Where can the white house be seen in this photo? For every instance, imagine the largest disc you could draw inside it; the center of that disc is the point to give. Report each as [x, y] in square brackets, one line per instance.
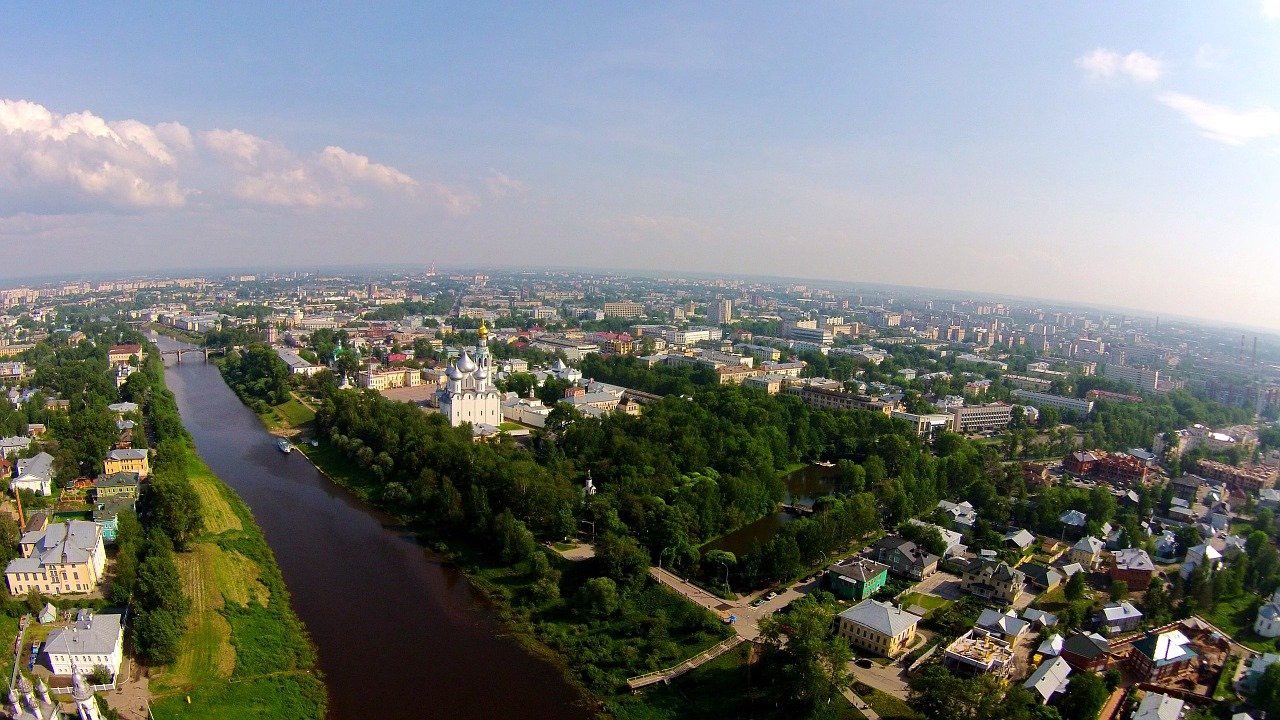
[1267, 624]
[35, 474]
[1198, 555]
[91, 641]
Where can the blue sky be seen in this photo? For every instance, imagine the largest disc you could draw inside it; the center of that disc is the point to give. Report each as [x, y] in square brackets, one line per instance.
[1119, 153]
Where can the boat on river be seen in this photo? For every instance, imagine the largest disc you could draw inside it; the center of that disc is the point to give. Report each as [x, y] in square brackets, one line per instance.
[284, 446]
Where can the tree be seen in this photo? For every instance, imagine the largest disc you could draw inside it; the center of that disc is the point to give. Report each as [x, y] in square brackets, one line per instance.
[175, 505]
[10, 533]
[623, 560]
[1086, 692]
[1119, 590]
[723, 560]
[1074, 589]
[599, 597]
[813, 659]
[515, 542]
[156, 634]
[1267, 693]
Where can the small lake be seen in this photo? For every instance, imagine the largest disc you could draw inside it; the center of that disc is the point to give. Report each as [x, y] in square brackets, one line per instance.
[803, 487]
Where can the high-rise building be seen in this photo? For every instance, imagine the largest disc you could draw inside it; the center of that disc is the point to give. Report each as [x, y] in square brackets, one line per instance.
[720, 311]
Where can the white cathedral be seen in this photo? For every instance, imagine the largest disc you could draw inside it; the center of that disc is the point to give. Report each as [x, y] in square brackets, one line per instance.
[26, 704]
[469, 395]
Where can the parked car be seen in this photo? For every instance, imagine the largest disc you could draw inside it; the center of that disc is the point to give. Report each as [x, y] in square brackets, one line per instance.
[771, 595]
[863, 663]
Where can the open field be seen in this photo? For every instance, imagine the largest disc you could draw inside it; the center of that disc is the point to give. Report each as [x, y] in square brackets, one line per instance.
[218, 515]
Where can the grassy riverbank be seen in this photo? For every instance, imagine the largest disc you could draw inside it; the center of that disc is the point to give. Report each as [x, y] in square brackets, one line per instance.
[244, 653]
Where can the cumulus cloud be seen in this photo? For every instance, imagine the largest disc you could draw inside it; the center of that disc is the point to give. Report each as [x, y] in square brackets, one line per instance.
[1270, 9]
[1221, 123]
[1108, 65]
[56, 163]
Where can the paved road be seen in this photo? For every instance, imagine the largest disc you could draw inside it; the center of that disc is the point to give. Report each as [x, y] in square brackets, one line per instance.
[747, 625]
[891, 679]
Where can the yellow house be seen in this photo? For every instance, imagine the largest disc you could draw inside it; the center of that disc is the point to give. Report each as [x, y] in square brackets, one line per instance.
[128, 460]
[61, 558]
[121, 485]
[877, 627]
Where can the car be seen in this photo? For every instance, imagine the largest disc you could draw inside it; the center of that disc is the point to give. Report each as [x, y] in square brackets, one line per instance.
[771, 595]
[863, 663]
[757, 602]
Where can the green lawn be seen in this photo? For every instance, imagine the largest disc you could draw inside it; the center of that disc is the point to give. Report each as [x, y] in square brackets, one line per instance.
[288, 415]
[8, 633]
[1235, 618]
[886, 705]
[928, 602]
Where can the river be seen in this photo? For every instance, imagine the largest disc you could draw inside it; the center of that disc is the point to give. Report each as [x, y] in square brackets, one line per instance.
[401, 634]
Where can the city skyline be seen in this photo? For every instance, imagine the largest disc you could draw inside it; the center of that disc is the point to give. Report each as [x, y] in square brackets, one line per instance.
[1085, 154]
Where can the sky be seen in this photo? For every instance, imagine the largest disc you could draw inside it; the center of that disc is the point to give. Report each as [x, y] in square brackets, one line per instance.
[1123, 154]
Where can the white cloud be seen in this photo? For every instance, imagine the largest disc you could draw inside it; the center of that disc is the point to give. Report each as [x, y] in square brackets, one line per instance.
[1221, 123]
[1270, 9]
[502, 185]
[1109, 65]
[1210, 56]
[77, 162]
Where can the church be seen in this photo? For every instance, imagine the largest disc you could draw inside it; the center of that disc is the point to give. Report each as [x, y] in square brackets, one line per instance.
[469, 395]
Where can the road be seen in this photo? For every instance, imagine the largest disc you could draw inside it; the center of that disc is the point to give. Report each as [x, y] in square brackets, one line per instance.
[748, 623]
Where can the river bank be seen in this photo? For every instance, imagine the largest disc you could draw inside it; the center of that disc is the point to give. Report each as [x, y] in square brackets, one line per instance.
[400, 633]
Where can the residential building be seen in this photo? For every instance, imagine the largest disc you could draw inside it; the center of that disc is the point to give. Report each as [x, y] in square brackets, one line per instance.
[1049, 679]
[1005, 624]
[117, 485]
[855, 579]
[127, 460]
[1040, 577]
[960, 516]
[10, 446]
[1267, 623]
[1119, 617]
[720, 311]
[1243, 479]
[1160, 656]
[877, 627]
[1087, 551]
[60, 558]
[992, 580]
[297, 364]
[388, 378]
[1043, 400]
[981, 418]
[35, 474]
[1203, 554]
[1133, 566]
[1158, 706]
[623, 309]
[905, 558]
[92, 640]
[120, 354]
[1141, 378]
[979, 652]
[1087, 652]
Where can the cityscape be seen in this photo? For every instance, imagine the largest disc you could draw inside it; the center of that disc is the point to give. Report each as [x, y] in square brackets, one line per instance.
[685, 361]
